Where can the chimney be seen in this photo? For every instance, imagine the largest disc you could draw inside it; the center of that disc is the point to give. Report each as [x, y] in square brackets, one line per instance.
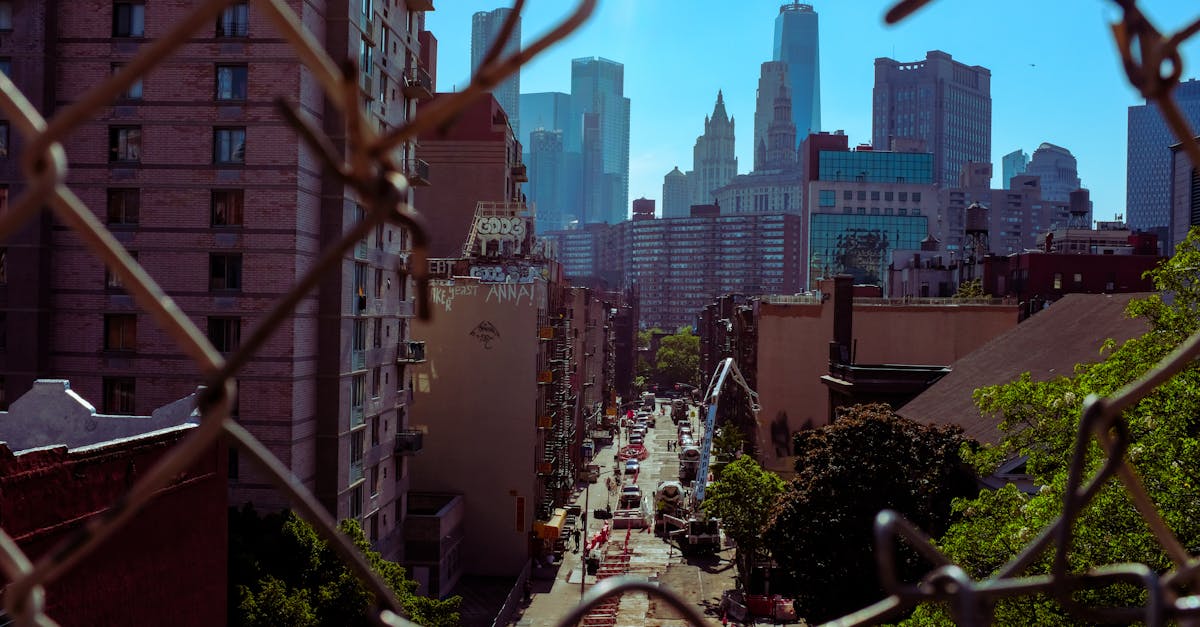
[843, 319]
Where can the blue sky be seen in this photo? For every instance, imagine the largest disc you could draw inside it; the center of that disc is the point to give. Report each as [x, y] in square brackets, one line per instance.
[1056, 74]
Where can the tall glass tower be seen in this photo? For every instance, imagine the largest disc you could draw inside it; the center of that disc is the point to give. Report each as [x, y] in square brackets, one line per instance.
[598, 99]
[485, 28]
[796, 45]
[1148, 162]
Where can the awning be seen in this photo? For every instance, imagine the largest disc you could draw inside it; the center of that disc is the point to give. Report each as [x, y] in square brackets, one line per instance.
[552, 529]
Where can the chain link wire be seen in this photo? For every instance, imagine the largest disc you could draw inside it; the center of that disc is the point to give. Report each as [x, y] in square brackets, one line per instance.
[1152, 63]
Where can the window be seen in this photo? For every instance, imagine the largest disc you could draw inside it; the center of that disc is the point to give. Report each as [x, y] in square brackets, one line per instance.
[374, 430]
[358, 391]
[6, 7]
[1078, 278]
[123, 206]
[916, 196]
[826, 198]
[374, 479]
[1058, 280]
[4, 266]
[903, 196]
[225, 271]
[378, 282]
[129, 19]
[125, 143]
[847, 195]
[3, 336]
[357, 445]
[134, 92]
[112, 280]
[373, 527]
[874, 195]
[376, 380]
[120, 332]
[356, 502]
[234, 21]
[225, 333]
[229, 145]
[118, 395]
[231, 82]
[887, 195]
[360, 285]
[377, 336]
[862, 195]
[227, 207]
[3, 139]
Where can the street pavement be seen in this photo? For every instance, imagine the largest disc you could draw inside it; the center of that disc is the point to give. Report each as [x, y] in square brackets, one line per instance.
[700, 580]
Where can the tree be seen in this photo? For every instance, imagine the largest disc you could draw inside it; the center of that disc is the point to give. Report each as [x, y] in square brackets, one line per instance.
[970, 289]
[678, 358]
[743, 498]
[282, 573]
[820, 531]
[1040, 420]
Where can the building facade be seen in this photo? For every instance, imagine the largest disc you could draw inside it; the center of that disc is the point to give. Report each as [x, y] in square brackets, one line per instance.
[1012, 164]
[676, 195]
[797, 45]
[193, 173]
[485, 30]
[772, 76]
[1148, 160]
[1057, 168]
[1184, 200]
[1013, 220]
[714, 163]
[939, 102]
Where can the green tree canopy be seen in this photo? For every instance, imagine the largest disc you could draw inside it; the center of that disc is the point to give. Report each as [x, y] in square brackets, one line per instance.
[1041, 419]
[743, 499]
[282, 573]
[678, 358]
[870, 459]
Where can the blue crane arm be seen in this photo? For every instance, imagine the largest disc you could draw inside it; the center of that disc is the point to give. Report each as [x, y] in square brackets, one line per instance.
[713, 398]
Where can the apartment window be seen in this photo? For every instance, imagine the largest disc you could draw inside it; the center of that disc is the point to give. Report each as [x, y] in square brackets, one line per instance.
[356, 502]
[120, 332]
[234, 21]
[847, 195]
[379, 228]
[1078, 278]
[124, 143]
[231, 82]
[378, 282]
[225, 333]
[6, 8]
[1058, 280]
[377, 336]
[357, 445]
[916, 197]
[129, 19]
[4, 266]
[358, 390]
[376, 380]
[134, 91]
[224, 271]
[118, 395]
[3, 139]
[374, 430]
[112, 280]
[887, 196]
[227, 207]
[366, 52]
[360, 284]
[123, 206]
[862, 195]
[874, 195]
[374, 479]
[229, 145]
[903, 196]
[373, 527]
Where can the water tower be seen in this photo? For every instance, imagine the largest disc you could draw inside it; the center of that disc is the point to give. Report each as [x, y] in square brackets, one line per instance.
[975, 245]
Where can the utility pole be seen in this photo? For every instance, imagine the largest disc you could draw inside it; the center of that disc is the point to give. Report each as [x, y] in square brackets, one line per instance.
[583, 556]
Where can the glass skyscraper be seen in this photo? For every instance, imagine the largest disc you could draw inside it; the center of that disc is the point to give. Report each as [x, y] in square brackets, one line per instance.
[1013, 163]
[598, 99]
[796, 45]
[1148, 160]
[485, 28]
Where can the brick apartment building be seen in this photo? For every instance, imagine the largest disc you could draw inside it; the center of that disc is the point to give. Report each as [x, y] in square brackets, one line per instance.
[195, 173]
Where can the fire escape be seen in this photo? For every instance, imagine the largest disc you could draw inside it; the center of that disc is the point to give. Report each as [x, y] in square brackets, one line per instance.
[556, 467]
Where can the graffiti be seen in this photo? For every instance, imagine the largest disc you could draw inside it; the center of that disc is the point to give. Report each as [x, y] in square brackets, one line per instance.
[510, 292]
[444, 294]
[486, 332]
[502, 274]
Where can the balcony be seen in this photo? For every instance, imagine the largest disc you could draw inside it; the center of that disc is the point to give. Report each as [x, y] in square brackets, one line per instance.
[419, 5]
[417, 84]
[409, 442]
[410, 352]
[417, 172]
[520, 173]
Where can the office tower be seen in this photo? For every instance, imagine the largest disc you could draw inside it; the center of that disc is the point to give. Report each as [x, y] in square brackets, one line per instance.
[797, 45]
[1014, 163]
[1057, 168]
[221, 205]
[598, 98]
[772, 76]
[677, 197]
[713, 161]
[1148, 160]
[550, 111]
[939, 102]
[546, 163]
[485, 30]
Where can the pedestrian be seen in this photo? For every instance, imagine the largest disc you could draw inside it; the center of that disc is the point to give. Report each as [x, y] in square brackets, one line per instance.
[578, 534]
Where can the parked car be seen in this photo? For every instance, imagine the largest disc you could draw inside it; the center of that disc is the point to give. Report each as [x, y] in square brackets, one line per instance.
[637, 439]
[631, 466]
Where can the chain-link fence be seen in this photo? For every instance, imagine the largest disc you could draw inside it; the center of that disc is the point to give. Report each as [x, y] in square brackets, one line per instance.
[1152, 62]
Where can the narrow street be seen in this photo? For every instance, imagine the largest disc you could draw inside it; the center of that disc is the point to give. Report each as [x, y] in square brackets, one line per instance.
[699, 579]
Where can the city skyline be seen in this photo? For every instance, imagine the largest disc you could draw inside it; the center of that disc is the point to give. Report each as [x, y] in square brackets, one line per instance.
[1069, 45]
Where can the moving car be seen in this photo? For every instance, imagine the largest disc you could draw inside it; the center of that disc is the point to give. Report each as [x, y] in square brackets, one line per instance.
[631, 466]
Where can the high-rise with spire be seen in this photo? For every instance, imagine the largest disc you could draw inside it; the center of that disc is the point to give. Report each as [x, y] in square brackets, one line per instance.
[485, 29]
[779, 145]
[796, 44]
[714, 163]
[772, 76]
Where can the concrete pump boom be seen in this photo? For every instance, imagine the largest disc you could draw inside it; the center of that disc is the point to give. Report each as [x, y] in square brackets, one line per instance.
[713, 398]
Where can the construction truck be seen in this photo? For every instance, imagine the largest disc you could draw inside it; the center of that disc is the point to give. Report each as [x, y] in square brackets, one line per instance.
[688, 524]
[679, 411]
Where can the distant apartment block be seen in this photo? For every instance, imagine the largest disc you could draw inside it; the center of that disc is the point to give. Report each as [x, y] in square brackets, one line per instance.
[1014, 217]
[194, 172]
[944, 104]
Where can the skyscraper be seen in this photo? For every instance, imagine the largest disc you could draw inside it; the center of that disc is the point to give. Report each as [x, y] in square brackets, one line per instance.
[545, 178]
[1014, 163]
[676, 196]
[1148, 162]
[796, 44]
[1057, 167]
[598, 98]
[772, 76]
[551, 111]
[940, 102]
[714, 163]
[485, 29]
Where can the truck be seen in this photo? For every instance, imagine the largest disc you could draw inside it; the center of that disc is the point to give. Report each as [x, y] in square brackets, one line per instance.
[648, 400]
[679, 411]
[689, 462]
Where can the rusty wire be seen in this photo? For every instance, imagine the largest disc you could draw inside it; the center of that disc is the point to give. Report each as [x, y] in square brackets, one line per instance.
[365, 167]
